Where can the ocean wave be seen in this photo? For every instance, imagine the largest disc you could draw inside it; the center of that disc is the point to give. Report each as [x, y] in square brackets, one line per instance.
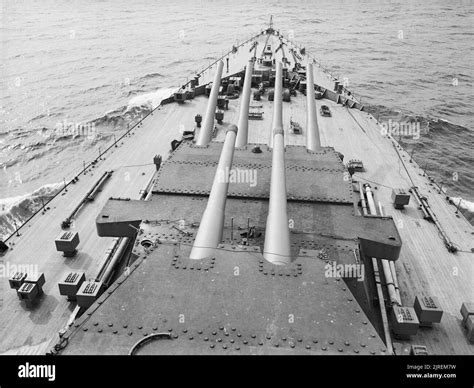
[466, 207]
[36, 146]
[9, 163]
[95, 88]
[151, 75]
[150, 100]
[43, 137]
[134, 92]
[16, 210]
[43, 115]
[435, 123]
[463, 204]
[118, 118]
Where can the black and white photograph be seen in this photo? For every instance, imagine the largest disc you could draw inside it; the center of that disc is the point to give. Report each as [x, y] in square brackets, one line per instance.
[253, 180]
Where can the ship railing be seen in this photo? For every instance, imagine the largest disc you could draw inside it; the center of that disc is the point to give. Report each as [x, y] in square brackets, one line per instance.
[224, 55]
[84, 167]
[131, 126]
[320, 65]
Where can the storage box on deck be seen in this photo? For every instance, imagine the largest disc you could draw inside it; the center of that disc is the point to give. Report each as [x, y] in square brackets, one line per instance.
[88, 293]
[71, 284]
[32, 287]
[404, 321]
[28, 292]
[38, 279]
[67, 243]
[427, 310]
[400, 198]
[16, 280]
[418, 350]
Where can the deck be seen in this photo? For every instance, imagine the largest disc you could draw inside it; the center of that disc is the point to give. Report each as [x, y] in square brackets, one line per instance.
[425, 266]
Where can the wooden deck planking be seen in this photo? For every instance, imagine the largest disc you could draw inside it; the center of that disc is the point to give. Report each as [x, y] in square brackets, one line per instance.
[425, 266]
[25, 331]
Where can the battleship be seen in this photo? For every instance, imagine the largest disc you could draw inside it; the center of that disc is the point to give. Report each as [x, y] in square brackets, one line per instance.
[258, 210]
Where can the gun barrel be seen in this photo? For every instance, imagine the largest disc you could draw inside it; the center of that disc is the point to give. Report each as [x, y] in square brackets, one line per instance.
[205, 134]
[243, 124]
[277, 121]
[211, 228]
[277, 235]
[313, 140]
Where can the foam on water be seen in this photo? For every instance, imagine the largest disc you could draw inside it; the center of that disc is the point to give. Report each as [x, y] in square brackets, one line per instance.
[463, 204]
[150, 100]
[6, 204]
[16, 210]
